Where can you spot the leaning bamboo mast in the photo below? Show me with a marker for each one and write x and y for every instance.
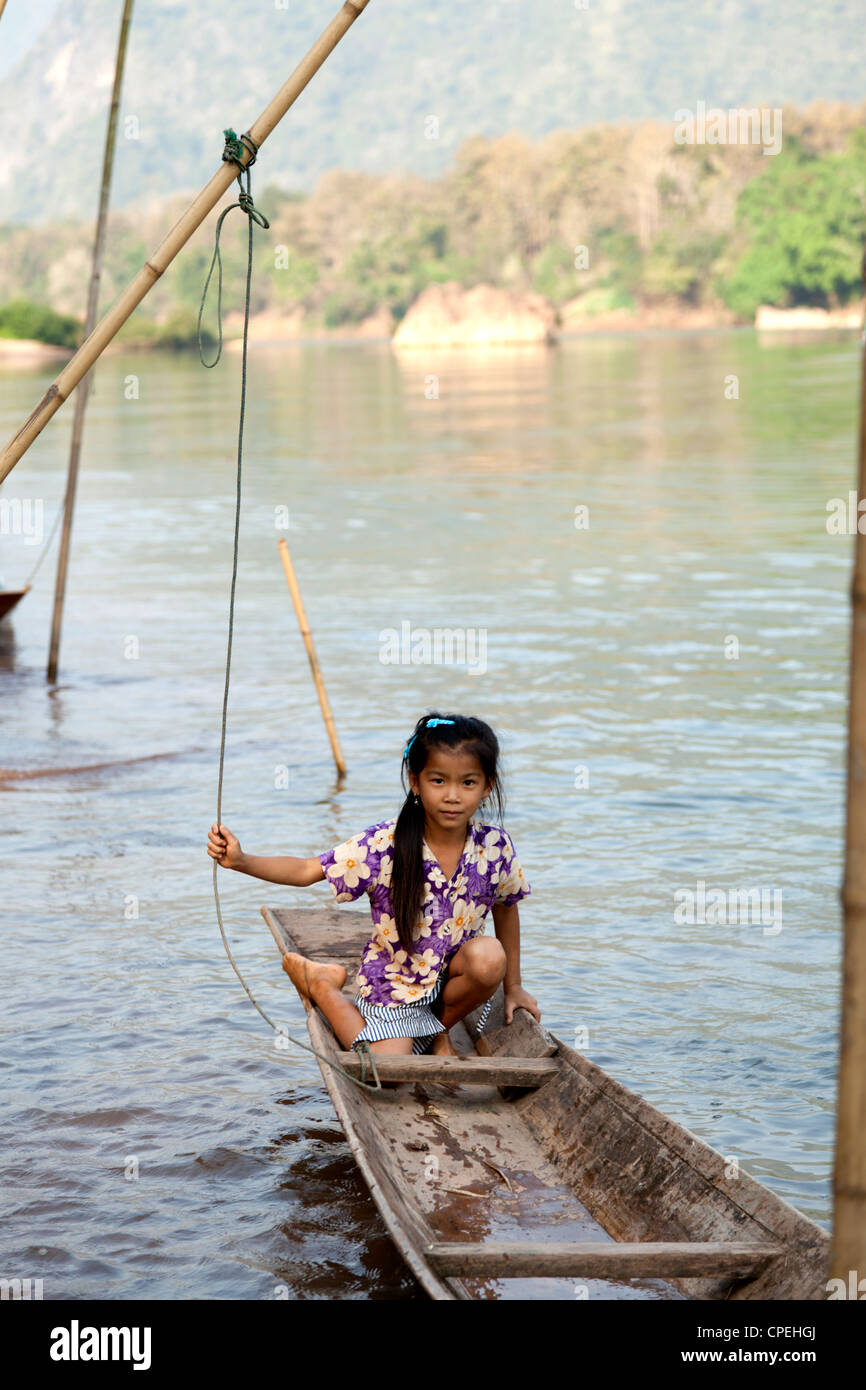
(89, 325)
(179, 235)
(848, 1250)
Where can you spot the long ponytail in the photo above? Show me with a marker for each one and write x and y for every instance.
(407, 876)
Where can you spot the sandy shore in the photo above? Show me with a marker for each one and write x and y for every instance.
(26, 351)
(274, 329)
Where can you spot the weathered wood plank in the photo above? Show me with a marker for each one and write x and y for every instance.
(591, 1259)
(523, 1037)
(465, 1071)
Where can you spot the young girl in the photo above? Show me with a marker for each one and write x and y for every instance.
(431, 875)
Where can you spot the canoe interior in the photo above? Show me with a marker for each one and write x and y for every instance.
(580, 1158)
(9, 598)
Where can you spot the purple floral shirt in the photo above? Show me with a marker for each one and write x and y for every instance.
(453, 910)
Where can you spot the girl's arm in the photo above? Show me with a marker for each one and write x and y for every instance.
(225, 848)
(506, 923)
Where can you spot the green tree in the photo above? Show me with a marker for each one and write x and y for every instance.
(803, 224)
(392, 270)
(22, 319)
(554, 274)
(680, 263)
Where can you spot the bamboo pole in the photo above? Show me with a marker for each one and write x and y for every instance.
(179, 235)
(89, 325)
(848, 1248)
(328, 717)
(2, 6)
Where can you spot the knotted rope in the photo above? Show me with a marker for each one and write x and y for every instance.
(235, 147)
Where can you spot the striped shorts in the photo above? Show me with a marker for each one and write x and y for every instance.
(416, 1020)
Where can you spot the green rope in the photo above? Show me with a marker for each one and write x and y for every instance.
(234, 150)
(366, 1054)
(235, 147)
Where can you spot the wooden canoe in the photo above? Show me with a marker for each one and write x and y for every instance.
(9, 598)
(525, 1170)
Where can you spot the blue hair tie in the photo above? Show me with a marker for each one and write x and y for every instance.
(428, 724)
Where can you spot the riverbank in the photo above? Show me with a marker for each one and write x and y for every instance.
(473, 318)
(26, 351)
(450, 316)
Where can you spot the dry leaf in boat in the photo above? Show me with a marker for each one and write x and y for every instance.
(499, 1173)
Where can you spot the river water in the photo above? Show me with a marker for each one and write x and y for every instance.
(631, 532)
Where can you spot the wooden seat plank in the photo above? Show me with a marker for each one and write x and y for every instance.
(592, 1259)
(473, 1071)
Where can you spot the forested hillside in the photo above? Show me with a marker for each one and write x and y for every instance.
(477, 69)
(605, 218)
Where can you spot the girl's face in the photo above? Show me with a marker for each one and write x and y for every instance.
(451, 787)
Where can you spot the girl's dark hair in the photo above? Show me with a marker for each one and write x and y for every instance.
(407, 878)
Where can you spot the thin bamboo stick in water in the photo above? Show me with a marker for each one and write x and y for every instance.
(90, 322)
(307, 635)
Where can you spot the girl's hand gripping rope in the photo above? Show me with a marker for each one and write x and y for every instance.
(224, 847)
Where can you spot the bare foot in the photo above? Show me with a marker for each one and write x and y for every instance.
(308, 976)
(442, 1046)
